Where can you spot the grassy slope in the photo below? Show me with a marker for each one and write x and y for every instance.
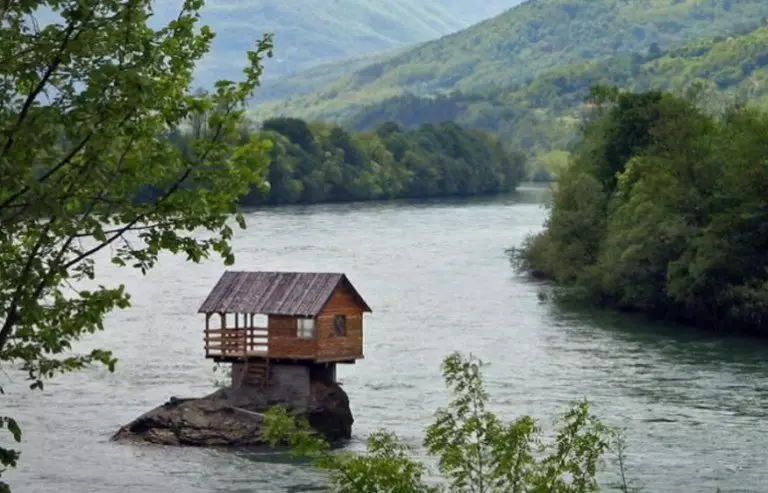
(515, 47)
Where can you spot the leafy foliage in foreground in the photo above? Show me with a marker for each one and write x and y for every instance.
(86, 175)
(475, 451)
(664, 210)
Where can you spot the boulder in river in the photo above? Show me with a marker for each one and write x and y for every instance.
(232, 417)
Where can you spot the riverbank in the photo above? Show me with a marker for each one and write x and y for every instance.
(663, 211)
(525, 191)
(320, 162)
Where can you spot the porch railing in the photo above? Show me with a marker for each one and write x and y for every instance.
(251, 341)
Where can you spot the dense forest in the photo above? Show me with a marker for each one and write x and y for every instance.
(321, 162)
(521, 44)
(664, 210)
(542, 117)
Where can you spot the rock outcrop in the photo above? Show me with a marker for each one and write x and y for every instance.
(232, 417)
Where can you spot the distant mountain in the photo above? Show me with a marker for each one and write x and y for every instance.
(542, 117)
(312, 32)
(277, 88)
(522, 43)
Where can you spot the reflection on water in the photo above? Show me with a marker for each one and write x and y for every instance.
(435, 273)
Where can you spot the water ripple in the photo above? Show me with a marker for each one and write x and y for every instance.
(693, 406)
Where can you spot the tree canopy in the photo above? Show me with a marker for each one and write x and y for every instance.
(89, 93)
(321, 162)
(663, 210)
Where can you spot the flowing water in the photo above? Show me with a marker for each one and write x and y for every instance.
(435, 273)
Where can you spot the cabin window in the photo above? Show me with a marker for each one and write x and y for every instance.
(306, 328)
(340, 325)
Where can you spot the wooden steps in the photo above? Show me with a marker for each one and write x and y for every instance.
(256, 372)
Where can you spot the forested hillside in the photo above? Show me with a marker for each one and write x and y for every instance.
(277, 88)
(525, 42)
(542, 117)
(664, 210)
(312, 32)
(320, 162)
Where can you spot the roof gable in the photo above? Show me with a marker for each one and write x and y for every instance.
(276, 293)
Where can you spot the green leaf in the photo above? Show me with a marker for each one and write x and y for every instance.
(13, 427)
(240, 221)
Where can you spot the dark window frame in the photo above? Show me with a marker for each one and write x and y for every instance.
(340, 325)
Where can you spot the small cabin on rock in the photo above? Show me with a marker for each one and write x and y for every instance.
(259, 321)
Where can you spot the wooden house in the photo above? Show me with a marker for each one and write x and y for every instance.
(259, 320)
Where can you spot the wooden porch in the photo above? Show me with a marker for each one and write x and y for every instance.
(236, 343)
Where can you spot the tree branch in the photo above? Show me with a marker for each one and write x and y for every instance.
(53, 267)
(116, 230)
(7, 4)
(8, 203)
(52, 67)
(12, 315)
(121, 231)
(66, 160)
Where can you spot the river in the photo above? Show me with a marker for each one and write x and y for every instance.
(693, 405)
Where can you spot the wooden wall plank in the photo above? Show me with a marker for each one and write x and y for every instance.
(331, 346)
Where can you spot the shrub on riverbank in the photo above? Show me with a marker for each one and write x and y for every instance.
(664, 209)
(475, 450)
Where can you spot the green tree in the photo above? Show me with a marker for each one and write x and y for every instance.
(663, 210)
(475, 451)
(89, 106)
(321, 162)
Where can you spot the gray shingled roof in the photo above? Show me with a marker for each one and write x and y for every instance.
(275, 293)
